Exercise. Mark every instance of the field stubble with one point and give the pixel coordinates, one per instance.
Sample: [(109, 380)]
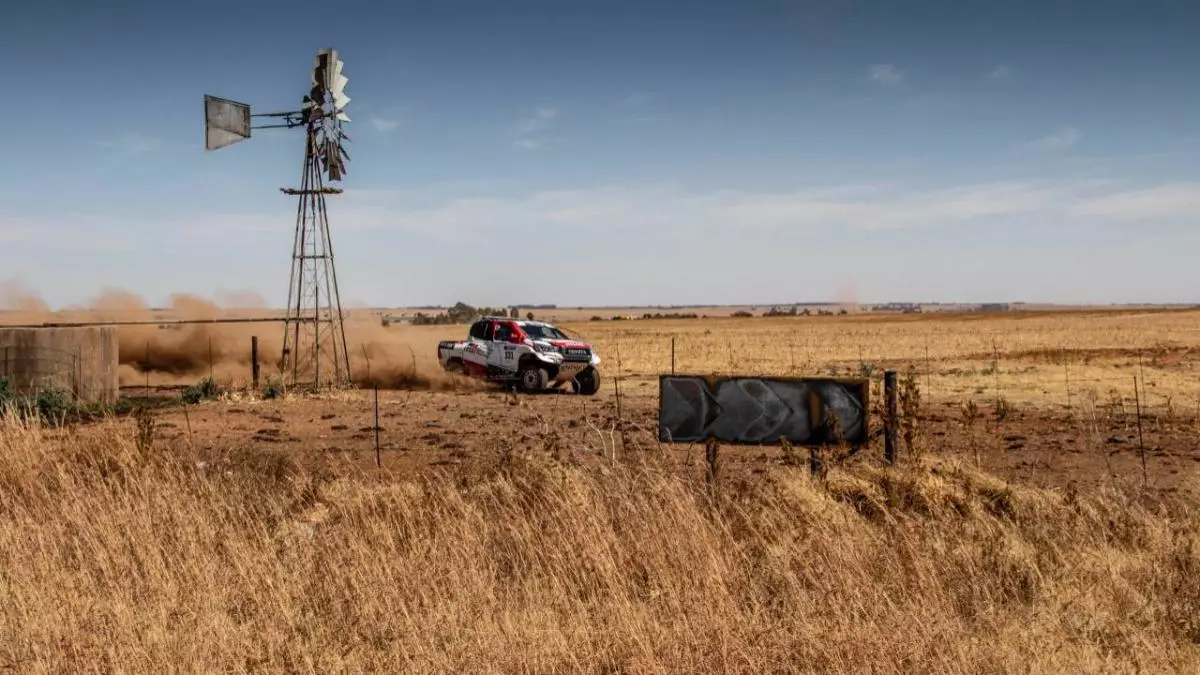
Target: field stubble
[(127, 552), (221, 549)]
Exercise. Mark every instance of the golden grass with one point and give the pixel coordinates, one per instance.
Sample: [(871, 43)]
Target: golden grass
[(1028, 358), (121, 556), (1036, 358)]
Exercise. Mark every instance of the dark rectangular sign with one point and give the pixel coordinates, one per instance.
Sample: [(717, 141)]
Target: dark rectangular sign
[(762, 410)]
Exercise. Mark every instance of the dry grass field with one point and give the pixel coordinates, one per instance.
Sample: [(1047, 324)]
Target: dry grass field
[(1043, 518), (125, 552)]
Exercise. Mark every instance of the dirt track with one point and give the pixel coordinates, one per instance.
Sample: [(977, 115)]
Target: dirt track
[(466, 432)]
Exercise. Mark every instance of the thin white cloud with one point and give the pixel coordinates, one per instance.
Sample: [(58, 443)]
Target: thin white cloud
[(886, 73), (1059, 140), (131, 144), (384, 123), (1174, 200), (1001, 73), (539, 120), (652, 211), (11, 235), (637, 99), (669, 208), (528, 128), (67, 231), (638, 108)]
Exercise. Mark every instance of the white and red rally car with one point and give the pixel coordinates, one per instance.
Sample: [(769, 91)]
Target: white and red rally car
[(532, 355)]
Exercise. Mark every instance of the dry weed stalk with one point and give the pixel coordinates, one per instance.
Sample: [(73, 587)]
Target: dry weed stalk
[(108, 556), (970, 415), (910, 413)]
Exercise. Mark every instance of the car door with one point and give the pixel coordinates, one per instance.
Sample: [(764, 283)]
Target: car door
[(503, 355), (478, 344)]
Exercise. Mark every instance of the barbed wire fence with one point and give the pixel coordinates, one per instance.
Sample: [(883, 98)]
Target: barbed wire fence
[(1164, 377), (1097, 387)]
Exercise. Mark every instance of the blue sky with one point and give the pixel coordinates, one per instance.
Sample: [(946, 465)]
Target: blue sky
[(618, 152)]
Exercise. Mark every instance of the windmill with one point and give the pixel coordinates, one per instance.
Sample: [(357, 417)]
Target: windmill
[(314, 342)]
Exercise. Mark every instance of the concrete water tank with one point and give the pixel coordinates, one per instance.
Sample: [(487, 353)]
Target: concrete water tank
[(84, 361)]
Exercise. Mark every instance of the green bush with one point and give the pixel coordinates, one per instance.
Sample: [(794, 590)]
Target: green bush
[(205, 390), (51, 405)]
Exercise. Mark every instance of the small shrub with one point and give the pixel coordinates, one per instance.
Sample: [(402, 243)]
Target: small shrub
[(146, 427), (54, 404), (206, 389), (273, 390), (1003, 409)]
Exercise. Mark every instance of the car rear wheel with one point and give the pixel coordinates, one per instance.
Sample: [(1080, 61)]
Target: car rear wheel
[(533, 378), (587, 383)]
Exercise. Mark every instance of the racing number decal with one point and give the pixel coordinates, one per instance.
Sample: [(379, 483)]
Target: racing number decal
[(508, 353)]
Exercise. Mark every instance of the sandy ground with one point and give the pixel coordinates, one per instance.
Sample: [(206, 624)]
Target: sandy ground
[(452, 432)]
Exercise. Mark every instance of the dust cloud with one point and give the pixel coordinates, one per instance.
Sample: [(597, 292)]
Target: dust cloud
[(165, 354), (20, 301), (847, 298)]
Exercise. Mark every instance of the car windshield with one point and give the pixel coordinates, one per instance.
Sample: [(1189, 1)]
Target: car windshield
[(543, 332)]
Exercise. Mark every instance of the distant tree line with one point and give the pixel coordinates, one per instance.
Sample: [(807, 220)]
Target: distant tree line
[(460, 313)]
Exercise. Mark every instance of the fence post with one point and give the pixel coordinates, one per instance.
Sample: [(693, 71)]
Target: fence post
[(891, 395), (254, 360), (6, 372), (378, 458), (672, 354), (1137, 399), (1067, 378), (816, 466), (712, 462)]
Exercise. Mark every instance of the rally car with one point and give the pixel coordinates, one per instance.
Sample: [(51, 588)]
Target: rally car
[(530, 355)]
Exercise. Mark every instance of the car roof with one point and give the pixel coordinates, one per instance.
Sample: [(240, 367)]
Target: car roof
[(519, 322)]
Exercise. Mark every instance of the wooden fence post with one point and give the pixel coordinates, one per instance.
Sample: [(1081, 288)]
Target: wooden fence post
[(254, 360), (378, 457), (891, 422)]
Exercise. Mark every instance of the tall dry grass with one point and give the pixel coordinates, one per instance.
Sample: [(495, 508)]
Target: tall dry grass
[(119, 554)]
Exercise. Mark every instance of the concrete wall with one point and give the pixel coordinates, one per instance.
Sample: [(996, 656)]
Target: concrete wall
[(84, 361)]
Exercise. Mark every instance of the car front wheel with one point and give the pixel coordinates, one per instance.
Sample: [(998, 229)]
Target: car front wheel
[(587, 383)]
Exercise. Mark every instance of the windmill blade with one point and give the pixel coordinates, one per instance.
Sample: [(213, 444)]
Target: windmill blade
[(331, 153), (337, 88), (337, 85), (329, 71)]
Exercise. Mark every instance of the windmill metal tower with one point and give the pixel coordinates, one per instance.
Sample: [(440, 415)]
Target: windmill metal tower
[(314, 341)]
